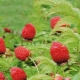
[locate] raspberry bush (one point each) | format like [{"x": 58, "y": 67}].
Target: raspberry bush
[{"x": 39, "y": 40}]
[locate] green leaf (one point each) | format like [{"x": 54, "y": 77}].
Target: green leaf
[
  {"x": 76, "y": 77},
  {"x": 45, "y": 60},
  {"x": 60, "y": 8},
  {"x": 40, "y": 2},
  {"x": 70, "y": 40},
  {"x": 41, "y": 77},
  {"x": 47, "y": 69}
]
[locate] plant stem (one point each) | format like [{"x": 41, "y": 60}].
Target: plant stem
[{"x": 34, "y": 64}]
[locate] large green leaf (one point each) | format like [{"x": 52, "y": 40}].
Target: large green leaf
[
  {"x": 41, "y": 77},
  {"x": 76, "y": 77}
]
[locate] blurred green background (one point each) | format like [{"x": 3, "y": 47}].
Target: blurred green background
[{"x": 16, "y": 13}]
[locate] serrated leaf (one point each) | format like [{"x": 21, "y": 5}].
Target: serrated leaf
[
  {"x": 40, "y": 2},
  {"x": 41, "y": 77},
  {"x": 71, "y": 19},
  {"x": 47, "y": 69},
  {"x": 60, "y": 8},
  {"x": 70, "y": 40},
  {"x": 45, "y": 60}
]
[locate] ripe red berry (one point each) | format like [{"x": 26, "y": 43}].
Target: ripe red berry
[
  {"x": 7, "y": 30},
  {"x": 59, "y": 52},
  {"x": 28, "y": 32},
  {"x": 2, "y": 46},
  {"x": 2, "y": 77},
  {"x": 18, "y": 74},
  {"x": 22, "y": 53},
  {"x": 54, "y": 21}
]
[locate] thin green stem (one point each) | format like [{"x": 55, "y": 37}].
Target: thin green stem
[
  {"x": 35, "y": 64},
  {"x": 58, "y": 68}
]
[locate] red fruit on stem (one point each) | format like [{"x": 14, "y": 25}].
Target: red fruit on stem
[
  {"x": 2, "y": 77},
  {"x": 59, "y": 52},
  {"x": 22, "y": 53},
  {"x": 7, "y": 30},
  {"x": 28, "y": 32},
  {"x": 2, "y": 46},
  {"x": 54, "y": 21},
  {"x": 18, "y": 74}
]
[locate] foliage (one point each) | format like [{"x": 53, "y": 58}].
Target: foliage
[{"x": 40, "y": 64}]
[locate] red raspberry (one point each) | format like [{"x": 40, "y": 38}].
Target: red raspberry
[
  {"x": 2, "y": 46},
  {"x": 54, "y": 21},
  {"x": 2, "y": 77},
  {"x": 28, "y": 32},
  {"x": 22, "y": 53},
  {"x": 7, "y": 30},
  {"x": 18, "y": 74},
  {"x": 59, "y": 52}
]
